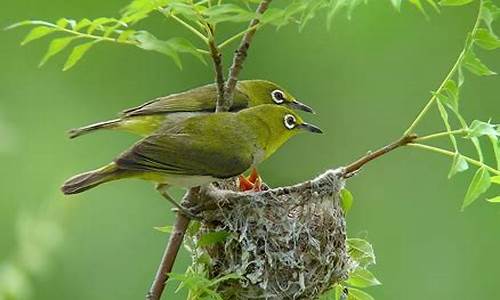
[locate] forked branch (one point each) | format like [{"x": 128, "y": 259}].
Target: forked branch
[{"x": 239, "y": 57}]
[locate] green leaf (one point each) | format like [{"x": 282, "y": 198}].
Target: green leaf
[
  {"x": 36, "y": 33},
  {"x": 434, "y": 5},
  {"x": 419, "y": 6},
  {"x": 126, "y": 35},
  {"x": 82, "y": 24},
  {"x": 396, "y": 4},
  {"x": 494, "y": 200},
  {"x": 480, "y": 184},
  {"x": 346, "y": 200},
  {"x": 100, "y": 22},
  {"x": 454, "y": 2},
  {"x": 459, "y": 165},
  {"x": 77, "y": 53},
  {"x": 489, "y": 13},
  {"x": 480, "y": 128},
  {"x": 193, "y": 228},
  {"x": 228, "y": 13},
  {"x": 184, "y": 46},
  {"x": 29, "y": 22},
  {"x": 495, "y": 144},
  {"x": 355, "y": 294},
  {"x": 444, "y": 117},
  {"x": 452, "y": 90},
  {"x": 475, "y": 66},
  {"x": 361, "y": 251},
  {"x": 63, "y": 23},
  {"x": 147, "y": 41},
  {"x": 362, "y": 278},
  {"x": 165, "y": 229},
  {"x": 495, "y": 179},
  {"x": 486, "y": 39},
  {"x": 56, "y": 46},
  {"x": 212, "y": 238}
]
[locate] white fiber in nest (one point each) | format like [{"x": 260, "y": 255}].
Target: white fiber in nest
[{"x": 285, "y": 243}]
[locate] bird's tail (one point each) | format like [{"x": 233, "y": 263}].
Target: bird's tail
[
  {"x": 88, "y": 180},
  {"x": 73, "y": 133}
]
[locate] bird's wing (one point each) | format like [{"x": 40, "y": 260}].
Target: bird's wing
[
  {"x": 195, "y": 153},
  {"x": 197, "y": 99}
]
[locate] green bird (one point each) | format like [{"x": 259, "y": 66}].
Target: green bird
[
  {"x": 166, "y": 111},
  {"x": 200, "y": 149}
]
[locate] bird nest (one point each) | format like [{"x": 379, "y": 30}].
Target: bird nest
[{"x": 283, "y": 243}]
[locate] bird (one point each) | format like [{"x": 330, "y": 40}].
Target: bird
[
  {"x": 201, "y": 149},
  {"x": 166, "y": 111}
]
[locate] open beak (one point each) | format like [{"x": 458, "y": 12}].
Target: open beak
[
  {"x": 310, "y": 128},
  {"x": 301, "y": 106}
]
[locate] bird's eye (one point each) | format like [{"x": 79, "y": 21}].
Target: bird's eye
[
  {"x": 278, "y": 96},
  {"x": 290, "y": 121}
]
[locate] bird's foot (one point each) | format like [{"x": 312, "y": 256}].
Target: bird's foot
[
  {"x": 252, "y": 183},
  {"x": 189, "y": 212}
]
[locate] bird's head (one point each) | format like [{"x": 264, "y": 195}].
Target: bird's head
[
  {"x": 273, "y": 125},
  {"x": 267, "y": 92}
]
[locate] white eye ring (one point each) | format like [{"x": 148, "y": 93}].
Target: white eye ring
[
  {"x": 278, "y": 96},
  {"x": 290, "y": 121}
]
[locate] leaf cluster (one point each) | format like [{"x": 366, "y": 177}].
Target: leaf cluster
[
  {"x": 200, "y": 17},
  {"x": 196, "y": 280},
  {"x": 363, "y": 256},
  {"x": 447, "y": 99}
]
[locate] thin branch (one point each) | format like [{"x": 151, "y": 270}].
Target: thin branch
[
  {"x": 452, "y": 154},
  {"x": 440, "y": 134},
  {"x": 218, "y": 66},
  {"x": 450, "y": 75},
  {"x": 170, "y": 253},
  {"x": 239, "y": 57},
  {"x": 358, "y": 164},
  {"x": 237, "y": 36},
  {"x": 189, "y": 27}
]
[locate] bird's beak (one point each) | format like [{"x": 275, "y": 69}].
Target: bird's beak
[
  {"x": 301, "y": 106},
  {"x": 310, "y": 127}
]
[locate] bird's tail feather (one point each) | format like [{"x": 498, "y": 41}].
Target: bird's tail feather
[
  {"x": 91, "y": 179},
  {"x": 73, "y": 133}
]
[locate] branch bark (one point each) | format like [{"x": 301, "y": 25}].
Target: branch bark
[
  {"x": 173, "y": 246},
  {"x": 354, "y": 167},
  {"x": 218, "y": 67},
  {"x": 239, "y": 58}
]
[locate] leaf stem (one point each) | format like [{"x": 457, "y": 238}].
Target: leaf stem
[
  {"x": 189, "y": 27},
  {"x": 237, "y": 36},
  {"x": 452, "y": 154},
  {"x": 440, "y": 134},
  {"x": 94, "y": 37},
  {"x": 451, "y": 73}
]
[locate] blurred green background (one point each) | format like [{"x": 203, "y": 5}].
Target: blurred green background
[{"x": 367, "y": 77}]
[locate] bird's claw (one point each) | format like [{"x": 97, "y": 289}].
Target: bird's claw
[{"x": 191, "y": 212}]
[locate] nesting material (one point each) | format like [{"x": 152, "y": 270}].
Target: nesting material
[{"x": 285, "y": 243}]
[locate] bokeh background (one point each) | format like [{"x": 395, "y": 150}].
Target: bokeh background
[{"x": 367, "y": 78}]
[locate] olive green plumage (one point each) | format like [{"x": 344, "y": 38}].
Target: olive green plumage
[
  {"x": 165, "y": 111},
  {"x": 201, "y": 149}
]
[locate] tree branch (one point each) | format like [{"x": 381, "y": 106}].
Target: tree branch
[
  {"x": 173, "y": 246},
  {"x": 218, "y": 67},
  {"x": 352, "y": 168},
  {"x": 240, "y": 56}
]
